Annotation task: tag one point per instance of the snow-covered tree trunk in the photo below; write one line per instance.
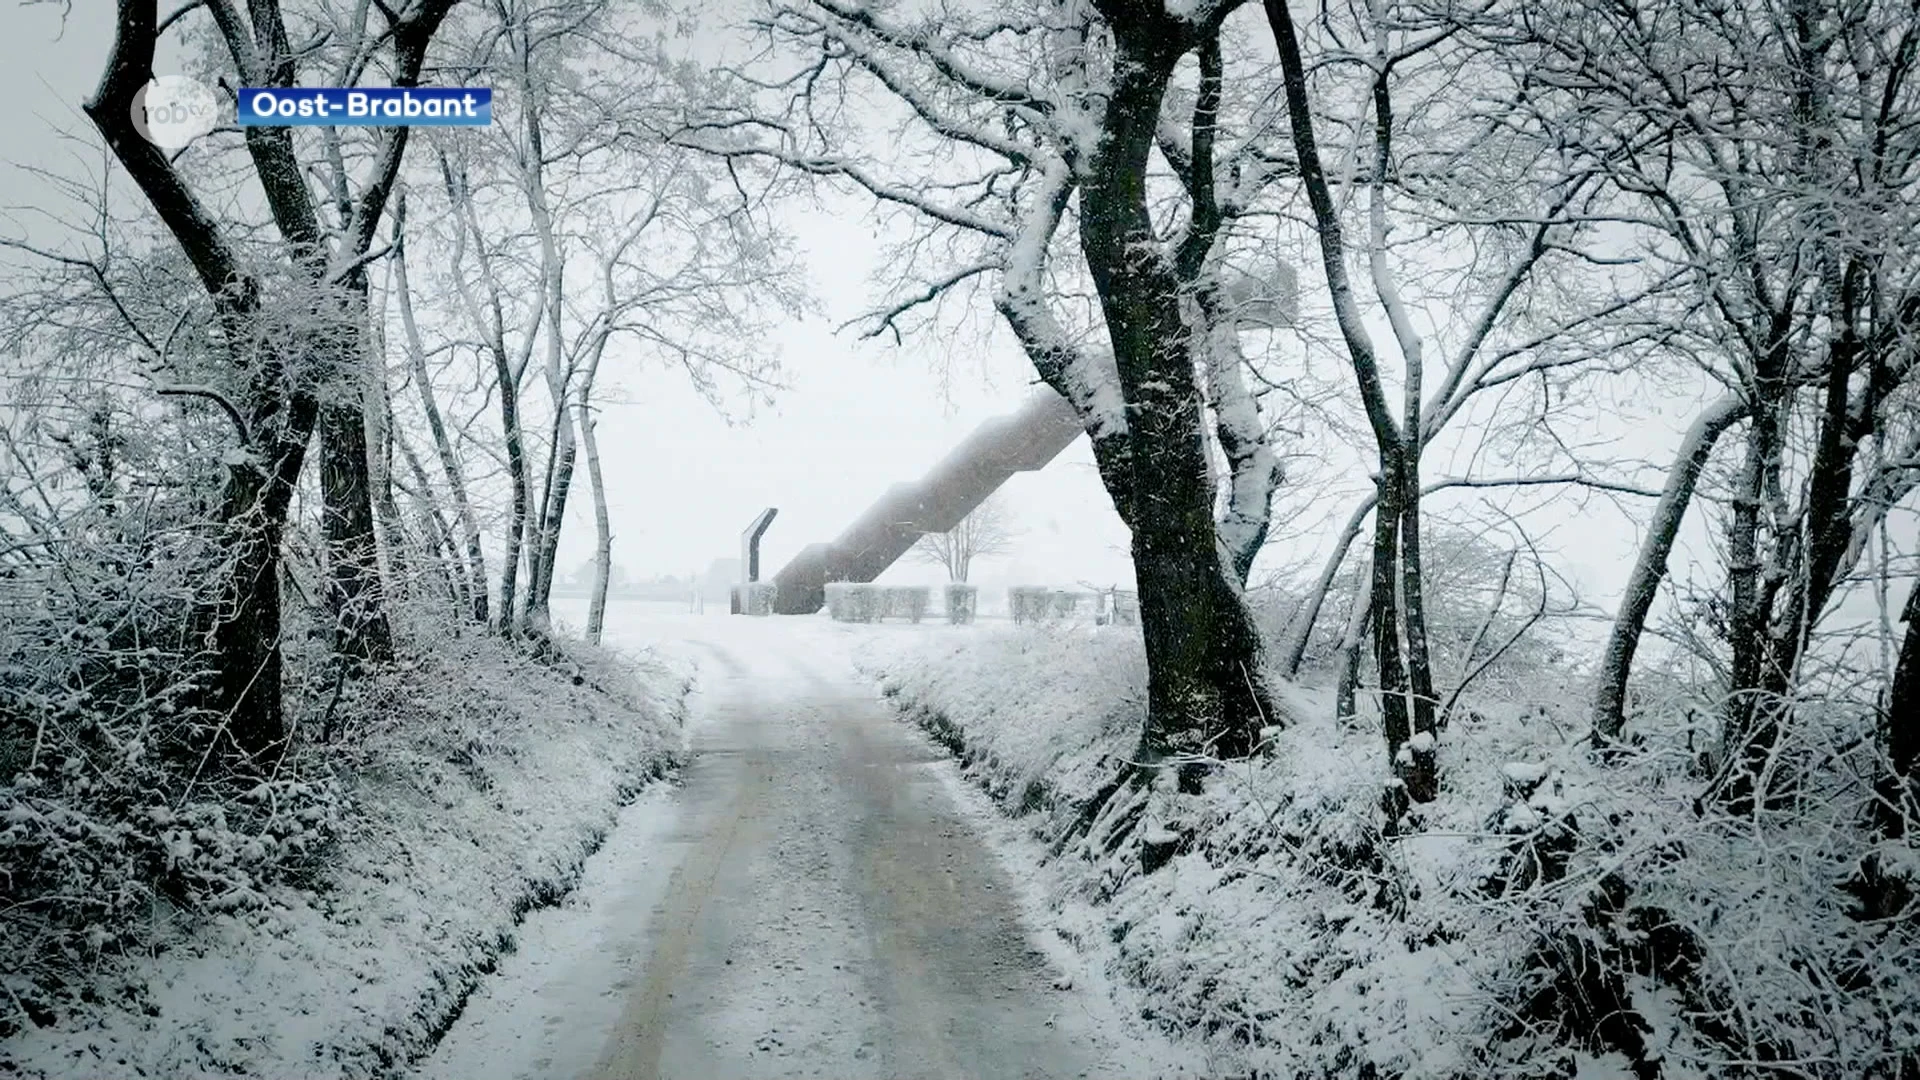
(1254, 472)
(477, 585)
(355, 593)
(1650, 567)
(1353, 643)
(602, 524)
(488, 322)
(277, 413)
(545, 546)
(1397, 483)
(1204, 685)
(395, 542)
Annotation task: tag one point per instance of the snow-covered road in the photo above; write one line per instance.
(819, 898)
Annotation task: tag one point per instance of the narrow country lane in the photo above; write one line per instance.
(813, 901)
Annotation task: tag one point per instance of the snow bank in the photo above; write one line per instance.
(479, 782)
(1548, 916)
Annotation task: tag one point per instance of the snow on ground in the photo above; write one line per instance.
(570, 963)
(804, 905)
(1284, 935)
(481, 782)
(1545, 908)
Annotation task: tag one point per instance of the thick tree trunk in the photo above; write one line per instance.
(355, 595)
(1204, 683)
(244, 622)
(1650, 568)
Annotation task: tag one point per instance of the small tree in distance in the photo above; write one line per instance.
(989, 530)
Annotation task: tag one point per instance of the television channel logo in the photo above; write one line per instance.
(173, 110)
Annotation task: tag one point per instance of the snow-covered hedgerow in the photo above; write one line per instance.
(1547, 916)
(464, 786)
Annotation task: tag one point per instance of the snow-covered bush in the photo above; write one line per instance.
(963, 602)
(1038, 603)
(909, 602)
(1028, 603)
(1548, 916)
(853, 601)
(756, 597)
(117, 795)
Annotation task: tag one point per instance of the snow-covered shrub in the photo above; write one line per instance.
(1039, 603)
(907, 601)
(473, 777)
(963, 603)
(756, 597)
(856, 601)
(1548, 916)
(117, 795)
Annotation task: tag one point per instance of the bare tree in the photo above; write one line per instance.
(280, 359)
(476, 583)
(1020, 126)
(1505, 191)
(574, 231)
(1757, 160)
(987, 531)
